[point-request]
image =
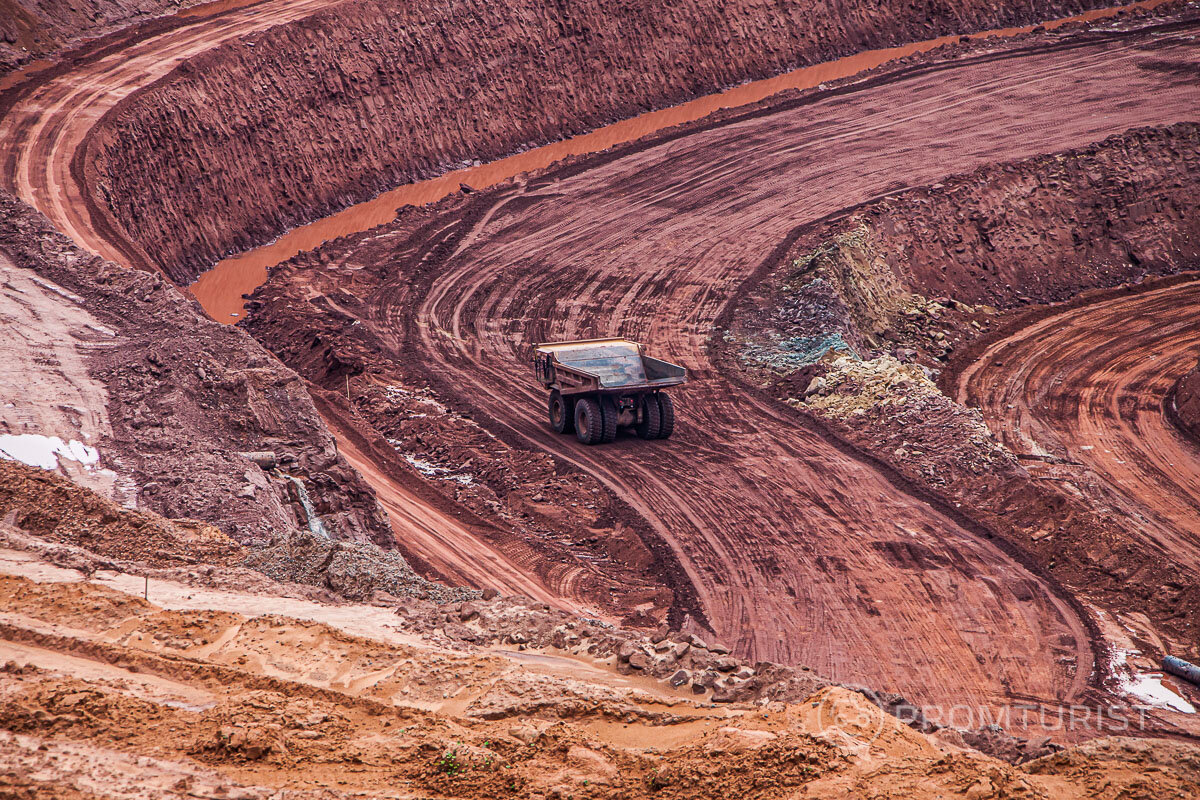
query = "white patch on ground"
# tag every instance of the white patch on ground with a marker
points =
(49, 402)
(431, 470)
(45, 451)
(1146, 687)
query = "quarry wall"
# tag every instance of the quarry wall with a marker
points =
(277, 129)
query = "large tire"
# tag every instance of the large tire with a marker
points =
(562, 413)
(651, 423)
(609, 408)
(589, 422)
(666, 410)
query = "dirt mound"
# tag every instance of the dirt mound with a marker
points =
(1186, 401)
(56, 510)
(355, 570)
(73, 527)
(179, 703)
(187, 398)
(363, 97)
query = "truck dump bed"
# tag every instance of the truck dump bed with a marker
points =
(603, 365)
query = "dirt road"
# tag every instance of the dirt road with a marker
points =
(799, 553)
(1080, 394)
(44, 129)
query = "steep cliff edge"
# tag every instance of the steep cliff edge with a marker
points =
(1187, 402)
(277, 129)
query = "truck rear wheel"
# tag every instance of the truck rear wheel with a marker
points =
(651, 423)
(666, 410)
(589, 422)
(562, 413)
(611, 414)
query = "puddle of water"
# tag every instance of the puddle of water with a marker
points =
(19, 76)
(220, 289)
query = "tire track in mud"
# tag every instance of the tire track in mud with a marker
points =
(798, 552)
(1088, 386)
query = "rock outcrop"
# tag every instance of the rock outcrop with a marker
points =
(36, 28)
(1187, 402)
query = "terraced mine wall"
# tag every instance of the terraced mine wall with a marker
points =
(187, 396)
(1042, 229)
(911, 278)
(277, 129)
(33, 28)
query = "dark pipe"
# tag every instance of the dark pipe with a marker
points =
(1181, 668)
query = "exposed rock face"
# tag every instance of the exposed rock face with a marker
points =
(1042, 230)
(277, 129)
(32, 28)
(189, 399)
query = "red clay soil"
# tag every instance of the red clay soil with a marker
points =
(1084, 392)
(1044, 229)
(307, 118)
(797, 551)
(186, 396)
(32, 29)
(44, 120)
(1035, 230)
(1184, 403)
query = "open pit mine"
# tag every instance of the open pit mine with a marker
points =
(595, 400)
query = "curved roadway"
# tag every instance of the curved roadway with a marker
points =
(799, 553)
(40, 134)
(1088, 386)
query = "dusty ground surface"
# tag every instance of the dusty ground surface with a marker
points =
(203, 687)
(37, 29)
(243, 671)
(355, 100)
(775, 526)
(1085, 408)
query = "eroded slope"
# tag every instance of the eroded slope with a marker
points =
(864, 312)
(184, 396)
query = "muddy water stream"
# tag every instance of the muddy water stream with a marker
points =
(220, 289)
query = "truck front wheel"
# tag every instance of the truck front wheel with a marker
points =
(562, 413)
(589, 422)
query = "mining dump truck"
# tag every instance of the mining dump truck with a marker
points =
(599, 385)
